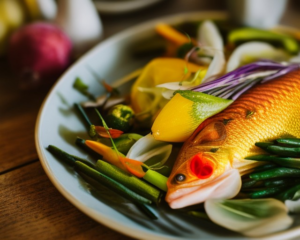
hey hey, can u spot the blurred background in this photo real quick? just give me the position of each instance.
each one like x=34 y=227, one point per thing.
x=69 y=28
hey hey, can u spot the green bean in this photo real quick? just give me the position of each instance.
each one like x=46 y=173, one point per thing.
x=264 y=145
x=66 y=157
x=250 y=183
x=289 y=193
x=284 y=151
x=264 y=167
x=275 y=173
x=268 y=192
x=293 y=142
x=129 y=181
x=112 y=184
x=281 y=182
x=283 y=161
x=98 y=192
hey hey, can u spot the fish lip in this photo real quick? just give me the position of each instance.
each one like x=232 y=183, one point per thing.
x=230 y=178
x=177 y=193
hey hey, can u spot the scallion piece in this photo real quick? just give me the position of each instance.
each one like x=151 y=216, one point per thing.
x=112 y=184
x=130 y=181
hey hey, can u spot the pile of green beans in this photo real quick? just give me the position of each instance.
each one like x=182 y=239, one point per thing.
x=126 y=185
x=280 y=176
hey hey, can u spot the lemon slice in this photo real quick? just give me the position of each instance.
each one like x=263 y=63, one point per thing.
x=159 y=71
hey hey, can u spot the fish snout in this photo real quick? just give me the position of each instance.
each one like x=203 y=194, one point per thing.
x=223 y=187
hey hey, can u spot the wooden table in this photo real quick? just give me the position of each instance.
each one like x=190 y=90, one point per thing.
x=30 y=206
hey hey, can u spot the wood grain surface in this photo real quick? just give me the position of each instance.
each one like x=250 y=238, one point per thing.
x=31 y=208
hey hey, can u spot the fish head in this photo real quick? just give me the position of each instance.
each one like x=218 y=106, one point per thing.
x=201 y=163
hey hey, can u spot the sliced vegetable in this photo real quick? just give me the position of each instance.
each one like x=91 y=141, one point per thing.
x=211 y=44
x=129 y=181
x=108 y=154
x=132 y=166
x=253 y=51
x=114 y=133
x=146 y=98
x=156 y=179
x=110 y=183
x=251 y=34
x=151 y=151
x=251 y=217
x=235 y=83
x=187 y=109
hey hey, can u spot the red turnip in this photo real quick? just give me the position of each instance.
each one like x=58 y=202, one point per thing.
x=39 y=53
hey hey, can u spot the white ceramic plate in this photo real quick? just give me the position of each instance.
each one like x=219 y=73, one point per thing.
x=57 y=124
x=119 y=6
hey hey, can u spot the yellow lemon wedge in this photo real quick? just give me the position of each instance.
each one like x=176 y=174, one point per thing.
x=184 y=113
x=144 y=94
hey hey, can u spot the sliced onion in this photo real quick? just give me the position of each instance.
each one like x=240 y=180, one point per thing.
x=254 y=51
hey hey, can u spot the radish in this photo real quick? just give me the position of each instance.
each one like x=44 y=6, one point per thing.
x=39 y=53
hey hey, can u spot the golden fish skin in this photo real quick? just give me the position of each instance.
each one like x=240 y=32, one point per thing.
x=264 y=113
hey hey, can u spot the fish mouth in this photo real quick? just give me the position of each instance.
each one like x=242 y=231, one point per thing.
x=225 y=186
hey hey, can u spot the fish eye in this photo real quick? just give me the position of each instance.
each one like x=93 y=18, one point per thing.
x=180 y=177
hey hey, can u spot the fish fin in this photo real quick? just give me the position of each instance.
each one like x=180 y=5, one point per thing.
x=245 y=166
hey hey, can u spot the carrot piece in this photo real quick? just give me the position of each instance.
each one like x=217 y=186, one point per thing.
x=108 y=154
x=133 y=166
x=107 y=87
x=114 y=133
x=171 y=34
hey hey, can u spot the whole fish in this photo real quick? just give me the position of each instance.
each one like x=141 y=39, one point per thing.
x=211 y=161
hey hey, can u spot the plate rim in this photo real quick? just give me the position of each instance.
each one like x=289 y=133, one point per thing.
x=106 y=220
x=123 y=7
